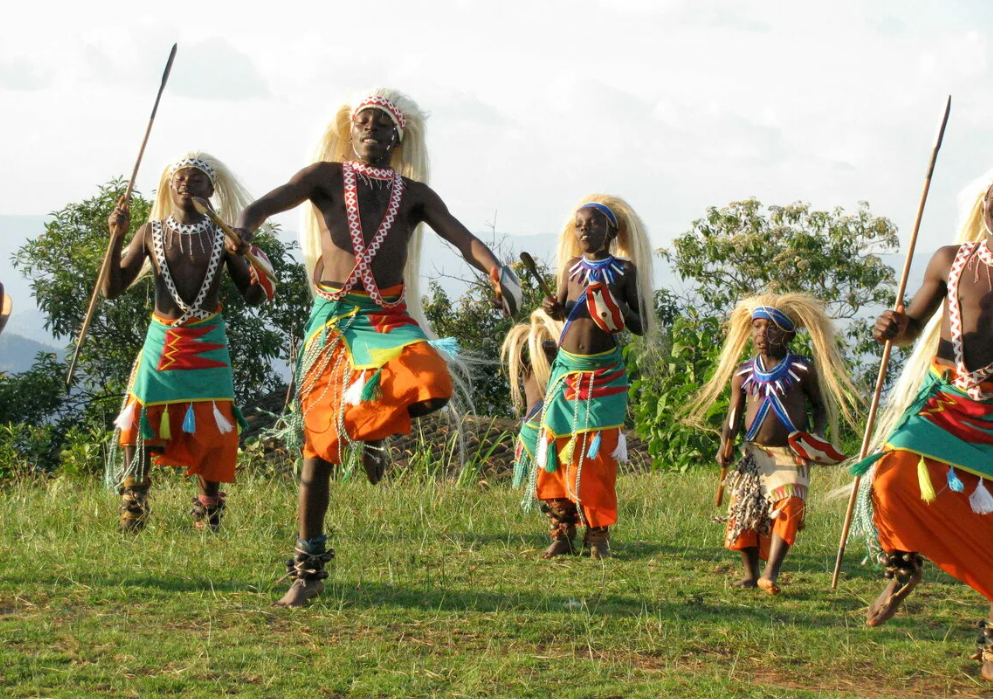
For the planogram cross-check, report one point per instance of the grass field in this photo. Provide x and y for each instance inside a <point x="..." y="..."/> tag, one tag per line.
<point x="438" y="591"/>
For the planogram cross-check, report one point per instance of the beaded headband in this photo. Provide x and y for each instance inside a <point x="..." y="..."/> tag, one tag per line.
<point x="384" y="105"/>
<point x="197" y="164"/>
<point x="776" y="316"/>
<point x="603" y="209"/>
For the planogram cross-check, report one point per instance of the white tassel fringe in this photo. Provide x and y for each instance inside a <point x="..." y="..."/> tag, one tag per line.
<point x="124" y="420"/>
<point x="223" y="426"/>
<point x="353" y="396"/>
<point x="620" y="453"/>
<point x="981" y="500"/>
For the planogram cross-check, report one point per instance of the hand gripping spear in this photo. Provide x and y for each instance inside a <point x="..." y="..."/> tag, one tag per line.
<point x="888" y="347"/>
<point x="105" y="265"/>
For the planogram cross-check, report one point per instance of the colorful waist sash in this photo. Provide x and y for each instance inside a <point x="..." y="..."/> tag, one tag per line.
<point x="586" y="393"/>
<point x="184" y="363"/>
<point x="945" y="424"/>
<point x="371" y="334"/>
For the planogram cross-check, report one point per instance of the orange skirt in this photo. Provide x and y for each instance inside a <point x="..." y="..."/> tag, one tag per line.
<point x="206" y="452"/>
<point x="597" y="484"/>
<point x="945" y="530"/>
<point x="786" y="524"/>
<point x="418" y="374"/>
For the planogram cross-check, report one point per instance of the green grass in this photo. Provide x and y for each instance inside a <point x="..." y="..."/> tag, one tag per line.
<point x="438" y="591"/>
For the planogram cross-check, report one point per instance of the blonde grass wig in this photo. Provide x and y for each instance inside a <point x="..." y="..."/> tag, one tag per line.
<point x="530" y="337"/>
<point x="972" y="228"/>
<point x="631" y="242"/>
<point x="410" y="159"/>
<point x="230" y="196"/>
<point x="840" y="395"/>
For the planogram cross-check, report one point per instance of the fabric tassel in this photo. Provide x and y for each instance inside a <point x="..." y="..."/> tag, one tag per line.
<point x="863" y="466"/>
<point x="775" y="513"/>
<point x="981" y="500"/>
<point x="448" y="345"/>
<point x="371" y="388"/>
<point x="190" y="421"/>
<point x="165" y="429"/>
<point x="145" y="426"/>
<point x="954" y="482"/>
<point x="542" y="455"/>
<point x="353" y="396"/>
<point x="565" y="456"/>
<point x="594" y="449"/>
<point x="223" y="426"/>
<point x="620" y="454"/>
<point x="552" y="464"/>
<point x="924" y="480"/>
<point x="123" y="420"/>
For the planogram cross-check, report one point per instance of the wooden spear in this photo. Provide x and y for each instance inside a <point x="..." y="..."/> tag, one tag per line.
<point x="105" y="265"/>
<point x="888" y="347"/>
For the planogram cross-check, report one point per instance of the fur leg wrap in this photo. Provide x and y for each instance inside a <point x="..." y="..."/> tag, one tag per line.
<point x="134" y="509"/>
<point x="207" y="511"/>
<point x="902" y="565"/>
<point x="984" y="644"/>
<point x="309" y="558"/>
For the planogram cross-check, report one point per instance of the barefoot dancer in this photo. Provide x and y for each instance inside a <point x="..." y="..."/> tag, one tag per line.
<point x="771" y="391"/>
<point x="581" y="436"/>
<point x="927" y="483"/>
<point x="366" y="368"/>
<point x="528" y="351"/>
<point x="180" y="401"/>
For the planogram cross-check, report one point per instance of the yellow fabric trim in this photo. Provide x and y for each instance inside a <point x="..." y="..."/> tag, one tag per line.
<point x="132" y="398"/>
<point x="582" y="431"/>
<point x="961" y="467"/>
<point x="581" y="356"/>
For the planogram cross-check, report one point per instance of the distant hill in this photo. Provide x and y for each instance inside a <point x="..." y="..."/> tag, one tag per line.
<point x="17" y="353"/>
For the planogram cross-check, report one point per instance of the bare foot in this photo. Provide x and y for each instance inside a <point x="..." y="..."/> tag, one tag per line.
<point x="769" y="586"/>
<point x="987" y="671"/>
<point x="299" y="593"/>
<point x="747" y="583"/>
<point x="885" y="606"/>
<point x="600" y="550"/>
<point x="374" y="460"/>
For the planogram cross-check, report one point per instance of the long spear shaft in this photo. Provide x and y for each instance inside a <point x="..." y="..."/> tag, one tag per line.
<point x="105" y="265"/>
<point x="888" y="348"/>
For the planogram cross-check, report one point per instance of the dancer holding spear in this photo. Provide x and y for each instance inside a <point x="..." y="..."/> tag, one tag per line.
<point x="925" y="485"/>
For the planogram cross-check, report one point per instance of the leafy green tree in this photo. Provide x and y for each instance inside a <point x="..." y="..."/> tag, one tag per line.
<point x="62" y="264"/>
<point x="740" y="250"/>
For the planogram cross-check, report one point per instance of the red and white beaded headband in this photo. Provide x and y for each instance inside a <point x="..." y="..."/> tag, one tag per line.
<point x="197" y="164"/>
<point x="384" y="105"/>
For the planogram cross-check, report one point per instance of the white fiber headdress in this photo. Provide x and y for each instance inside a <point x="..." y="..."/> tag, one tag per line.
<point x="631" y="242"/>
<point x="230" y="196"/>
<point x="410" y="159"/>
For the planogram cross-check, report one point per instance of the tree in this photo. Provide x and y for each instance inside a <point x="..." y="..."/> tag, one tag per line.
<point x="62" y="264"/>
<point x="739" y="250"/>
<point x="480" y="330"/>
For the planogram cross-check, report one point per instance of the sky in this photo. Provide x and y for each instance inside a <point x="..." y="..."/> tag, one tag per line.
<point x="675" y="105"/>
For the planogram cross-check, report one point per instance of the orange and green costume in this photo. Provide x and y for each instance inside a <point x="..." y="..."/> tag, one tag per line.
<point x="361" y="367"/>
<point x="180" y="401"/>
<point x="580" y="436"/>
<point x="926" y="490"/>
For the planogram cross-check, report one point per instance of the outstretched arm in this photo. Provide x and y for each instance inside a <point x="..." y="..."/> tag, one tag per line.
<point x="472" y="249"/>
<point x="631" y="308"/>
<point x="903" y="328"/>
<point x="812" y="388"/>
<point x="732" y="423"/>
<point x="122" y="272"/>
<point x="301" y="187"/>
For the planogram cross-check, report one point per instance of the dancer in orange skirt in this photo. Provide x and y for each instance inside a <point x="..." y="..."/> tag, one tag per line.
<point x="180" y="406"/>
<point x="367" y="367"/>
<point x="770" y="395"/>
<point x="925" y="493"/>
